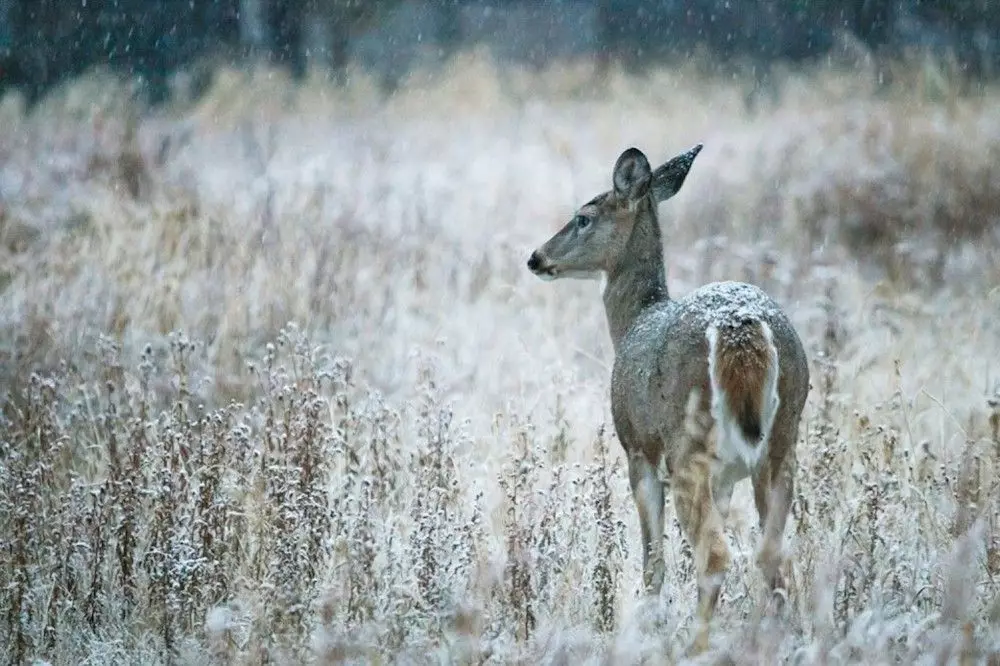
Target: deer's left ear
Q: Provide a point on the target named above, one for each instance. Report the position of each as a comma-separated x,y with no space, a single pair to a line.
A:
632,175
667,179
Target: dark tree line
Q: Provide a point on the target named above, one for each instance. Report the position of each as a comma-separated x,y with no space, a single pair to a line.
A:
799,29
45,41
50,40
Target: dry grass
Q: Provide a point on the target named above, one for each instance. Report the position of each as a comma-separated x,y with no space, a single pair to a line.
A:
421,467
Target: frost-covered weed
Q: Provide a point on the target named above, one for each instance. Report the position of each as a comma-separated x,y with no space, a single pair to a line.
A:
423,470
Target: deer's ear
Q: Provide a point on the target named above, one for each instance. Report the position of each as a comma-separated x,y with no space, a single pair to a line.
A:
667,179
632,175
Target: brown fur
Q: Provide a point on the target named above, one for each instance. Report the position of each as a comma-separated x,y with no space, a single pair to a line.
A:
741,366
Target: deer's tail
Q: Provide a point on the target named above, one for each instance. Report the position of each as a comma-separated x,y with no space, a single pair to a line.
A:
743,374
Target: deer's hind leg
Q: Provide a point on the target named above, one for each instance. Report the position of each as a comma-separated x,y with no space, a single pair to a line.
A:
701,521
647,491
773,488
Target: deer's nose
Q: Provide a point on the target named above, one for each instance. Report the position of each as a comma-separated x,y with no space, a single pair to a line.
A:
534,261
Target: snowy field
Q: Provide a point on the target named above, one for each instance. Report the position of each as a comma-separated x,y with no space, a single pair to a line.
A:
282,390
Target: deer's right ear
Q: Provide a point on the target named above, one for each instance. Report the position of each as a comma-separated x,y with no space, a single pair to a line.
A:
667,179
631,175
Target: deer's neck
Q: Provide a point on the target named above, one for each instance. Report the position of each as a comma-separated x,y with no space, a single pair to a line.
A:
639,280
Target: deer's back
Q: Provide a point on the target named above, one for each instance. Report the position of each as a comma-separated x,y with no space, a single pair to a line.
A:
664,356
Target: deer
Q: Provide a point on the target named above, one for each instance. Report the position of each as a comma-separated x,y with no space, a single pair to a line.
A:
706,390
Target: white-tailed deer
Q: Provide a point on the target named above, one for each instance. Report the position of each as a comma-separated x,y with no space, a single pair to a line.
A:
727,348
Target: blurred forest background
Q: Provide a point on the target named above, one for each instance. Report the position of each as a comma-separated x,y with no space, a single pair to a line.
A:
45,41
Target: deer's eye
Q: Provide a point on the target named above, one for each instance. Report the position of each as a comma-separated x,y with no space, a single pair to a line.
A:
581,221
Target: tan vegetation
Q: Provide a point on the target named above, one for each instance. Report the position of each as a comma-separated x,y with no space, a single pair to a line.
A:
287,392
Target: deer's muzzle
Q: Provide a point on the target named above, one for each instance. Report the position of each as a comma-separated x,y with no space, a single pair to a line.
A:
540,266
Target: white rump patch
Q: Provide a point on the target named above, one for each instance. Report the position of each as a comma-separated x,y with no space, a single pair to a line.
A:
769,405
732,447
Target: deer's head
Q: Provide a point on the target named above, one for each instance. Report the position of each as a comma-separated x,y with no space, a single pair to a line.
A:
595,240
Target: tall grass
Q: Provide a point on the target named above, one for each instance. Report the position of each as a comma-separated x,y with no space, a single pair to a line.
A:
279,388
